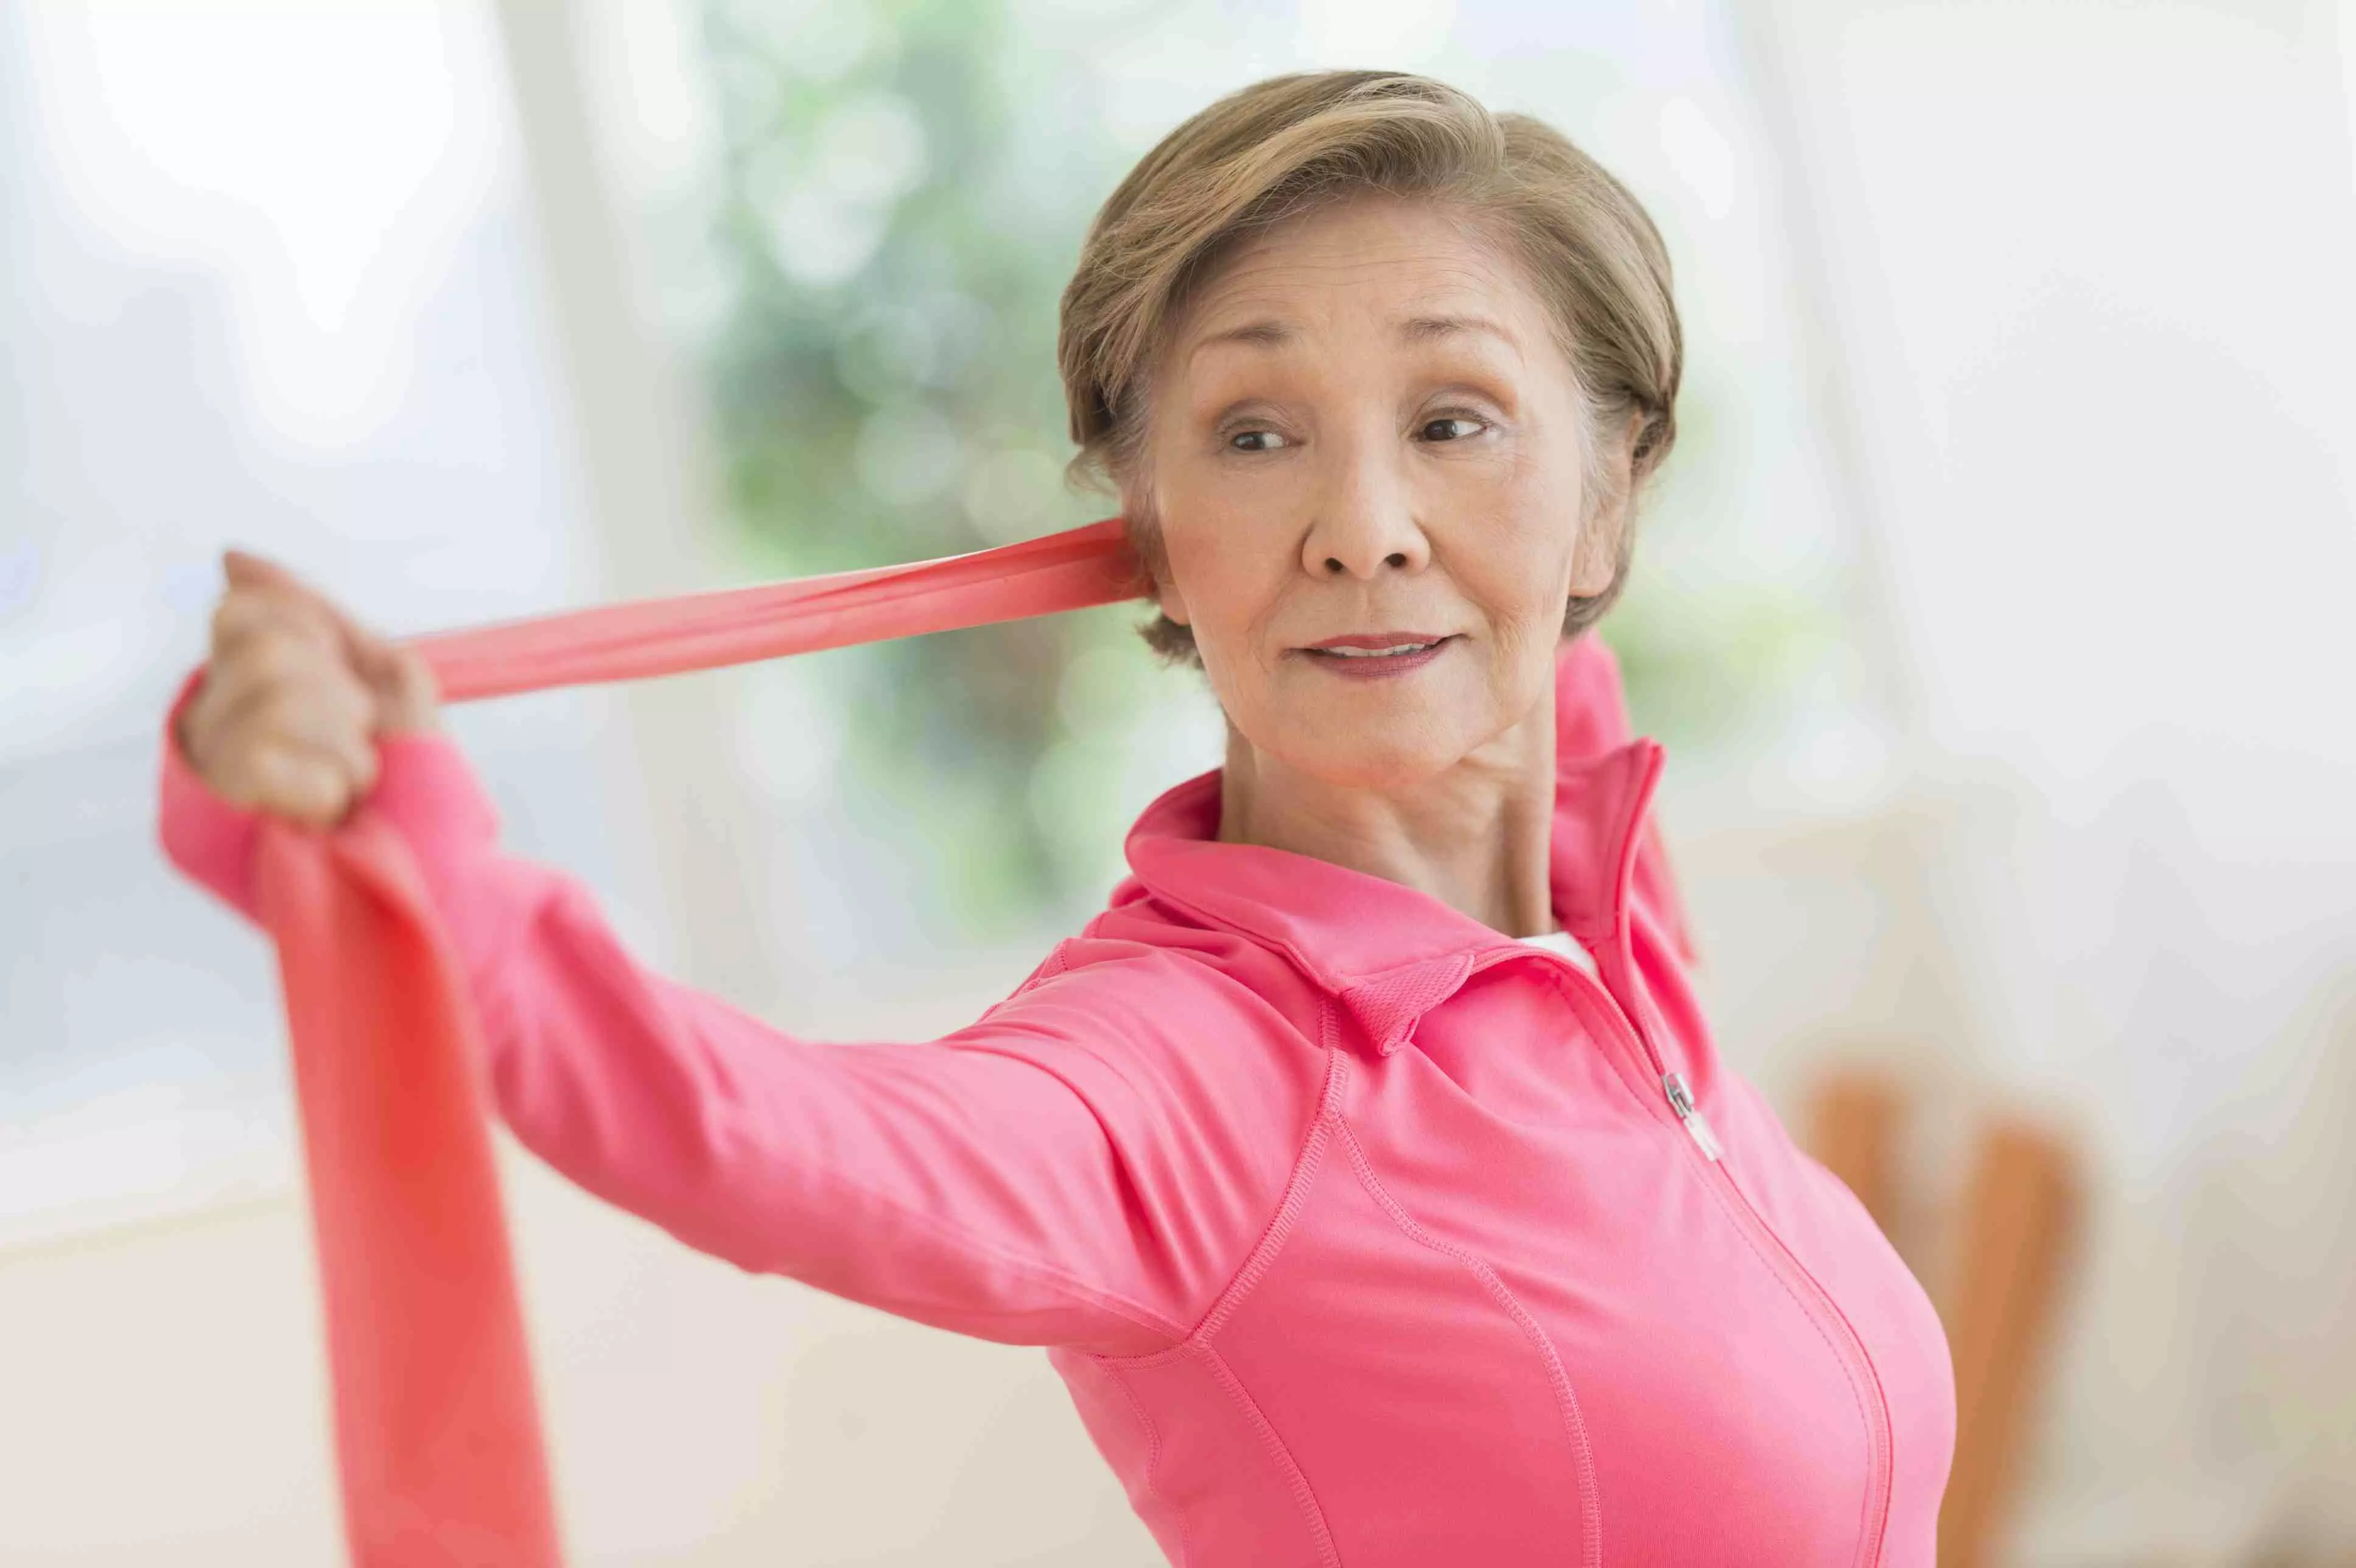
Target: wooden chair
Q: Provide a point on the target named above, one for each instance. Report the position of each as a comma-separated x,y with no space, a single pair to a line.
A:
1854,1120
2014,1232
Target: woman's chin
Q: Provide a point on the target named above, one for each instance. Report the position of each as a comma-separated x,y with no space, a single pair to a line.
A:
1385,736
1384,763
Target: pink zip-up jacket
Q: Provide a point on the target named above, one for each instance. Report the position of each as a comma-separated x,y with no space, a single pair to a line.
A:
1361,1232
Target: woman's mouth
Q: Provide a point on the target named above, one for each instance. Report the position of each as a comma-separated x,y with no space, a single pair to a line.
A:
1373,656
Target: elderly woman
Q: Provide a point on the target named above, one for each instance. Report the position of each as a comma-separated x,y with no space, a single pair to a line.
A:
1366,1164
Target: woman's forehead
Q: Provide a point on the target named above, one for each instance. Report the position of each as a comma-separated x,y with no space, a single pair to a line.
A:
1420,274
1428,324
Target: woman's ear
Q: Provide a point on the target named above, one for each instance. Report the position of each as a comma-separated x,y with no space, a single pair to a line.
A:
1600,550
1598,555
1147,533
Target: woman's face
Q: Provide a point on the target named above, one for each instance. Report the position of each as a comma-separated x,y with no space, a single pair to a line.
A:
1364,456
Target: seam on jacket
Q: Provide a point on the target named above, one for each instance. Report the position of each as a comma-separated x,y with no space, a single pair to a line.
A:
1279,1230
1272,1444
1112,1302
1599,1024
1565,1398
1054,965
1585,1008
1153,1462
1324,978
1628,845
1867,1550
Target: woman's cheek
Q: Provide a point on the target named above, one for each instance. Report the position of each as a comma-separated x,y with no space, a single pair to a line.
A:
1231,568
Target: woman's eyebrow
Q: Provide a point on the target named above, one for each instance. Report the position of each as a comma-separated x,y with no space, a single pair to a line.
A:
1266,333
1271,332
1437,328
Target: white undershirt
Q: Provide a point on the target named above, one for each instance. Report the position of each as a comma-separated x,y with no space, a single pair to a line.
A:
1562,942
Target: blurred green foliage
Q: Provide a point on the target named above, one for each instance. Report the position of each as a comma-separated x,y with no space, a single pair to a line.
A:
900,217
1712,644
906,186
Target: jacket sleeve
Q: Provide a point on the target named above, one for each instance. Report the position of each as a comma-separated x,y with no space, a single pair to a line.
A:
1085,1166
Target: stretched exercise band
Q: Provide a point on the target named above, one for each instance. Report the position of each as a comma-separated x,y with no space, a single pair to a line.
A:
437,1433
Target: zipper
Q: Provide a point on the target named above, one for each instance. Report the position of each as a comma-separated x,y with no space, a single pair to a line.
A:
1690,1114
1673,1084
1856,1365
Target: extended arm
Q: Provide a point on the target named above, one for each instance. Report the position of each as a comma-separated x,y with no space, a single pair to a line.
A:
1086,1164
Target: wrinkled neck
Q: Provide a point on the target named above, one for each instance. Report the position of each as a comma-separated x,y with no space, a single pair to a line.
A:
1476,836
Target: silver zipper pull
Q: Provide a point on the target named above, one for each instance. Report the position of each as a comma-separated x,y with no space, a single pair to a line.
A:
1690,1114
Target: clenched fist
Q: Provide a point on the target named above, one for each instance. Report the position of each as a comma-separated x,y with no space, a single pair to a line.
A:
294,697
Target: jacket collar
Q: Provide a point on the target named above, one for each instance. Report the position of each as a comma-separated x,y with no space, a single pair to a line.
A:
1388,952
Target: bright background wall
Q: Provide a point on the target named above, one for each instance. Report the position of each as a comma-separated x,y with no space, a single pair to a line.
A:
1992,606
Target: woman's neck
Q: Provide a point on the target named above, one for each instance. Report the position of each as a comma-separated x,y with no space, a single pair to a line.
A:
1476,836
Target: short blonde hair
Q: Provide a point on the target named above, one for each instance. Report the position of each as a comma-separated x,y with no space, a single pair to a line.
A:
1294,143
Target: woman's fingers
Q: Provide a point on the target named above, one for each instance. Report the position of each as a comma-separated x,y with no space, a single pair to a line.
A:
293,696
299,782
286,778
407,698
335,722
276,677
272,743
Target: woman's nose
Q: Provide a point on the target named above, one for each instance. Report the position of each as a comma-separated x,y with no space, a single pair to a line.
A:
1364,523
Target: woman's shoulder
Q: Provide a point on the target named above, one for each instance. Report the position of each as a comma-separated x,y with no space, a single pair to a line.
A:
1178,1052
1152,980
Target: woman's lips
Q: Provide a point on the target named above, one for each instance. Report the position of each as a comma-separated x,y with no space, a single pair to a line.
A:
1378,655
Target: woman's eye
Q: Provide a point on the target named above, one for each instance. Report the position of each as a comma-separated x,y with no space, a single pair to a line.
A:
1454,427
1256,441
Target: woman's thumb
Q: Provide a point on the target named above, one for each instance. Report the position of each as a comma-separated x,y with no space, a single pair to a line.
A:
244,570
250,573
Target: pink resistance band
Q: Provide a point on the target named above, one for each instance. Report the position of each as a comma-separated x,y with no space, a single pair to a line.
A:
437,1435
